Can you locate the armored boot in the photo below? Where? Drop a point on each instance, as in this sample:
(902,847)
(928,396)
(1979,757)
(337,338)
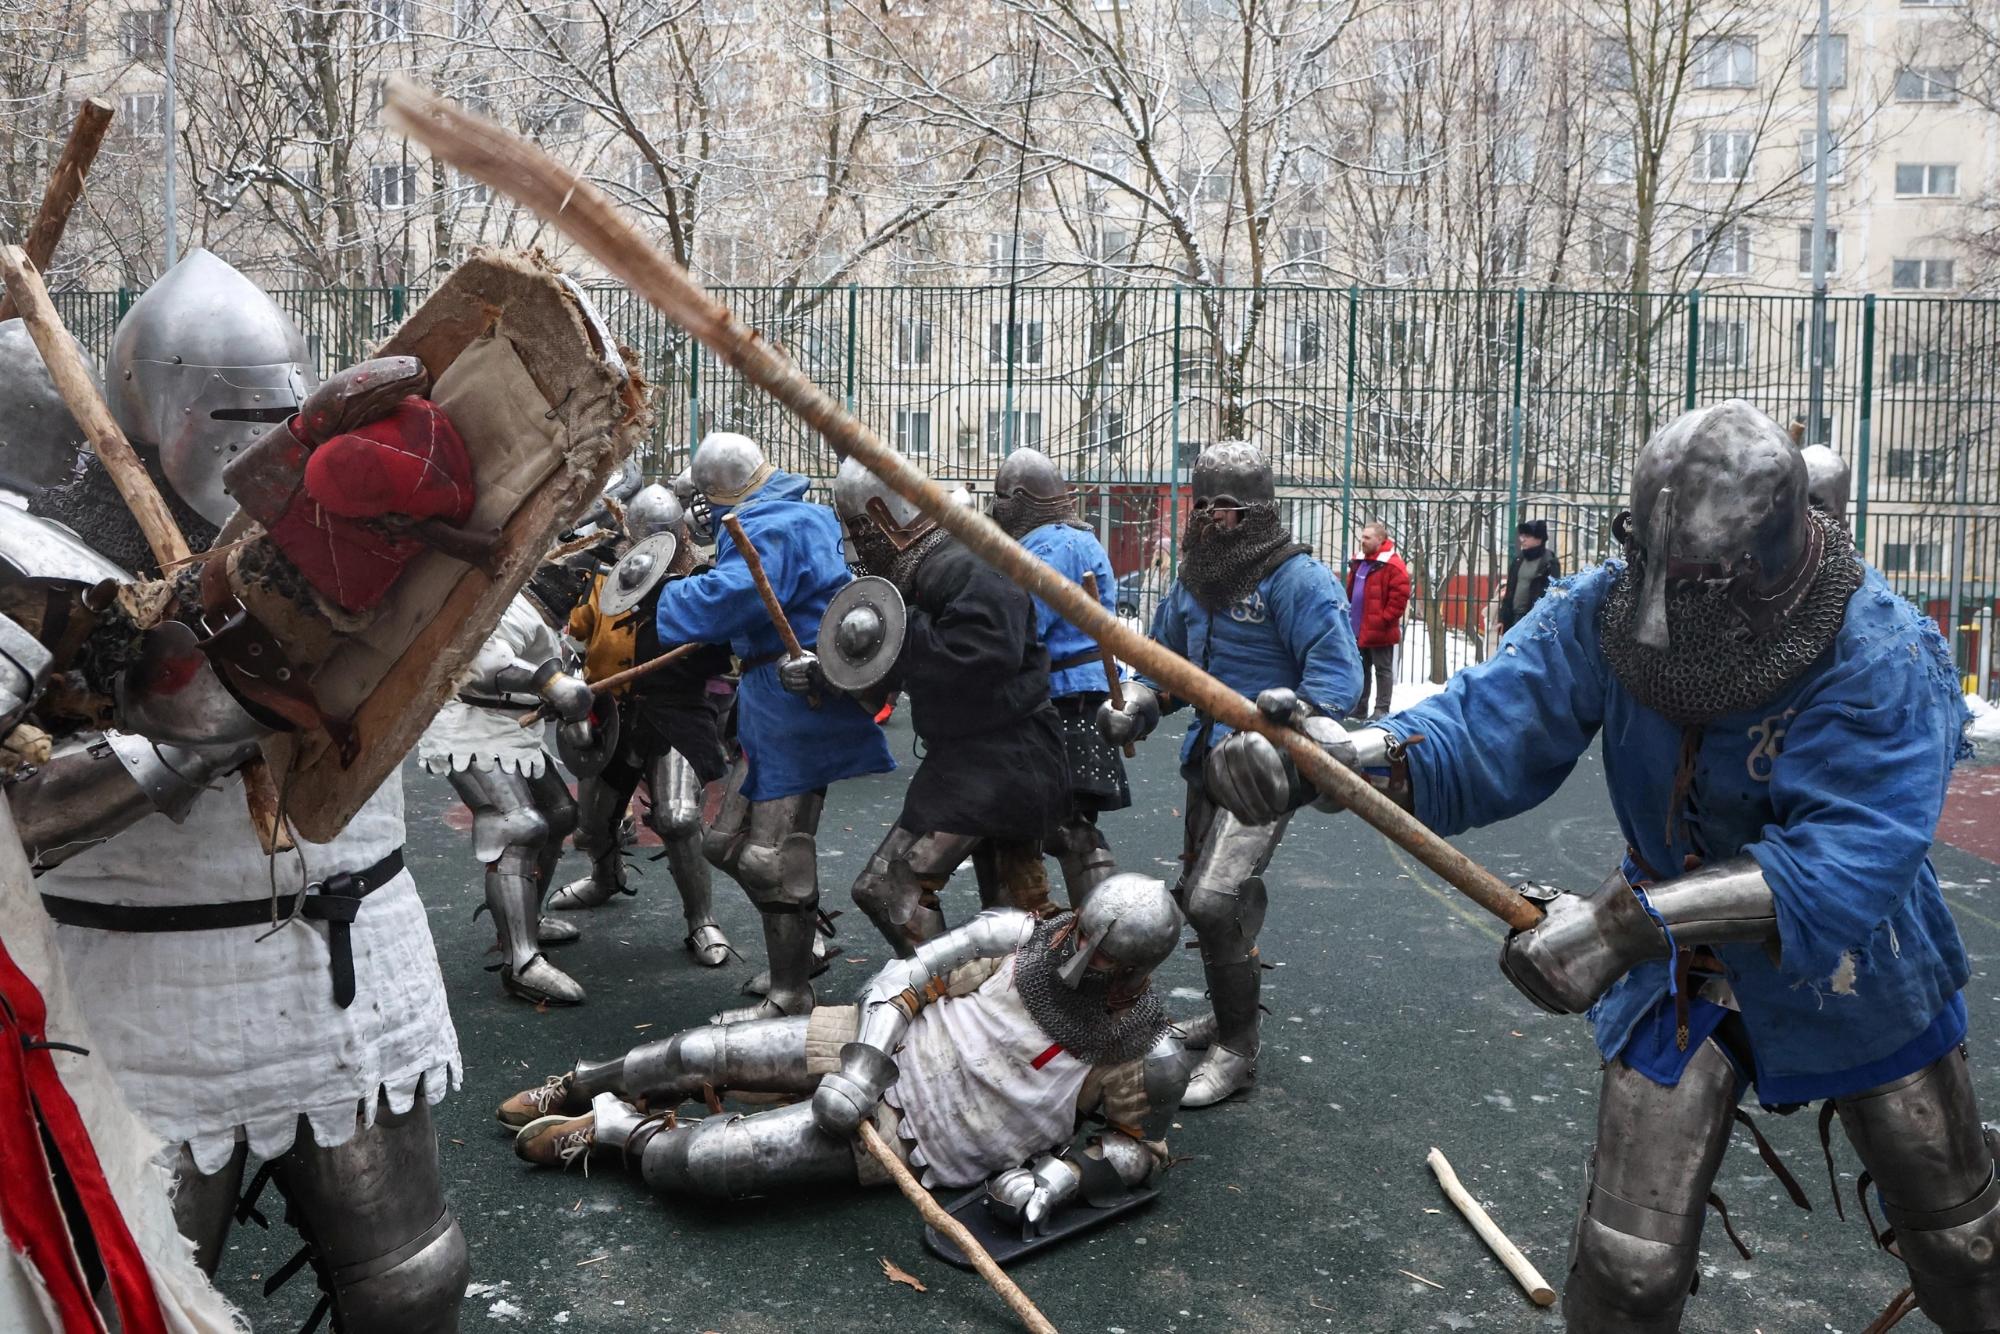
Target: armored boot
(760,983)
(676,817)
(1231,1063)
(513,899)
(600,806)
(786,892)
(553,800)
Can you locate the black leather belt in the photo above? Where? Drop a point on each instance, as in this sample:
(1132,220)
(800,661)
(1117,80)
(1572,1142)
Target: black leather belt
(1077,660)
(335,900)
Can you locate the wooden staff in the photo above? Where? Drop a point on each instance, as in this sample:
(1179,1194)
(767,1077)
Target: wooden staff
(523,172)
(65,187)
(73,381)
(1112,684)
(913,1190)
(617,679)
(1531,1281)
(772,607)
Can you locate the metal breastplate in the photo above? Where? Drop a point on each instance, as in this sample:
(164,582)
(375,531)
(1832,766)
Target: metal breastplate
(1713,665)
(1076,1017)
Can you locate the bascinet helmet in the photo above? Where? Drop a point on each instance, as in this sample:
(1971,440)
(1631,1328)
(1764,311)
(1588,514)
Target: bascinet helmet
(1128,926)
(1719,498)
(1031,474)
(1232,474)
(201,366)
(39,441)
(654,509)
(728,468)
(867,506)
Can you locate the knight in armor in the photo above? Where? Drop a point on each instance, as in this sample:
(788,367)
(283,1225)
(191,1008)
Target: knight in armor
(1254,608)
(521,807)
(287,1007)
(1037,508)
(992,785)
(976,1057)
(669,723)
(764,835)
(1779,729)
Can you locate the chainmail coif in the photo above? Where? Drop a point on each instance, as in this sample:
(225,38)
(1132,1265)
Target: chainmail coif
(1713,664)
(91,504)
(1078,1017)
(1222,566)
(1023,514)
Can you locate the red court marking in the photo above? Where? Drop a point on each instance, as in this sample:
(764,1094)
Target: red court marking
(1971,819)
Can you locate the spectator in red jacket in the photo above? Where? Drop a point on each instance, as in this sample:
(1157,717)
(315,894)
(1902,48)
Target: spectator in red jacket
(1378,592)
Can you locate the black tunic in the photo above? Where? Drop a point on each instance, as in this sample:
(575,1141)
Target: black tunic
(977,680)
(673,708)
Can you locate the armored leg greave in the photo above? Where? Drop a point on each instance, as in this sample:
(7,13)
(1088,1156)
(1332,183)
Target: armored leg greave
(601,803)
(1011,874)
(558,808)
(731,1157)
(898,889)
(1222,893)
(1083,855)
(509,833)
(1933,1163)
(1632,1259)
(759,1055)
(205,1204)
(767,847)
(676,817)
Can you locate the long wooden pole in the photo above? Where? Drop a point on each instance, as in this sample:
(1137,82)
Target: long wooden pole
(73,381)
(1531,1280)
(989,1269)
(523,172)
(65,187)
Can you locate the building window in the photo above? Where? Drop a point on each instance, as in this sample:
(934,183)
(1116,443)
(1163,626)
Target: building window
(1613,65)
(1305,340)
(1719,252)
(392,187)
(388,20)
(1304,433)
(1507,250)
(143,33)
(912,342)
(1105,429)
(1003,248)
(1836,60)
(1927,178)
(1923,368)
(1725,344)
(1725,62)
(1107,342)
(1514,67)
(1802,344)
(1400,66)
(1306,245)
(1405,253)
(1927,83)
(473,191)
(1723,155)
(1922,275)
(1836,156)
(1610,248)
(1027,431)
(1514,159)
(1832,249)
(913,430)
(1912,557)
(1617,161)
(143,117)
(1200,185)
(1026,342)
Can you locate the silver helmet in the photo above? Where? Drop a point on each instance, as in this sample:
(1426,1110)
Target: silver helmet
(728,468)
(1719,498)
(855,493)
(39,441)
(1827,480)
(1231,474)
(1031,474)
(1129,926)
(201,366)
(654,509)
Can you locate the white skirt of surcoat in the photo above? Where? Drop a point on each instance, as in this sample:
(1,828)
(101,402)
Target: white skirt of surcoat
(217,1036)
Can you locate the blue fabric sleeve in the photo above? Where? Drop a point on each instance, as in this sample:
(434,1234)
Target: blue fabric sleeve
(1313,620)
(715,606)
(1857,792)
(1506,732)
(1169,629)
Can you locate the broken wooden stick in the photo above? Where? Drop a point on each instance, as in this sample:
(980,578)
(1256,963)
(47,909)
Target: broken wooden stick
(772,607)
(516,168)
(65,187)
(1531,1281)
(934,1213)
(1114,687)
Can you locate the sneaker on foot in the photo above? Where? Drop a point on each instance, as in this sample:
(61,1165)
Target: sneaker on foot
(555,1095)
(557,1141)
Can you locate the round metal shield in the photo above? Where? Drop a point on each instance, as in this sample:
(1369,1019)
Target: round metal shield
(637,573)
(861,634)
(588,760)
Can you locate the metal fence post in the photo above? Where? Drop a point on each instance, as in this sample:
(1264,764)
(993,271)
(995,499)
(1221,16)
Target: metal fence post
(1347,419)
(1514,414)
(1689,395)
(398,302)
(853,331)
(1867,429)
(694,397)
(1174,455)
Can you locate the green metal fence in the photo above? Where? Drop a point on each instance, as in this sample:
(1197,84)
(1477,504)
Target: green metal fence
(1446,414)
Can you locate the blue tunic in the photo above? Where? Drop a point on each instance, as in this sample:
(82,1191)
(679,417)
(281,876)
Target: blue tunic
(1834,787)
(1292,630)
(1072,552)
(792,747)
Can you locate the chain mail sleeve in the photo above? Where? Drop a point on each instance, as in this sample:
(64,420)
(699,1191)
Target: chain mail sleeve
(1505,733)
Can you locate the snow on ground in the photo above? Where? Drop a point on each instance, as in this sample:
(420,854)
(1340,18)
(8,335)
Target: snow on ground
(1985,726)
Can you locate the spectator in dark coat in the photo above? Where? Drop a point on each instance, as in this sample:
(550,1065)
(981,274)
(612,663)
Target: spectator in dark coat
(1378,593)
(1529,573)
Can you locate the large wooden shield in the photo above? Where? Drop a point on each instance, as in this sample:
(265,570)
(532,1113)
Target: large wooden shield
(548,410)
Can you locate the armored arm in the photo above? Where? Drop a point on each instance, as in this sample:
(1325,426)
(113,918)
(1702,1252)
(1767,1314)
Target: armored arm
(499,670)
(1587,942)
(97,785)
(847,1096)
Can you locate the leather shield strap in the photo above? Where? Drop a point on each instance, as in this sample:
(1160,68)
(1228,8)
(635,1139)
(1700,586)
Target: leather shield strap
(254,663)
(336,900)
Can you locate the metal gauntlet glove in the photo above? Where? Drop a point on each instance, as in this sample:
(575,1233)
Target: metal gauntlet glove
(802,675)
(1135,721)
(1581,947)
(1030,1194)
(848,1096)
(568,698)
(1251,778)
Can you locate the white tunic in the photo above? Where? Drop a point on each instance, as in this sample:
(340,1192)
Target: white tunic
(220,1035)
(467,736)
(972,1098)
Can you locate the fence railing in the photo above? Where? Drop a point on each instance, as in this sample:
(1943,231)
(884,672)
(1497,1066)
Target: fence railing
(1449,415)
